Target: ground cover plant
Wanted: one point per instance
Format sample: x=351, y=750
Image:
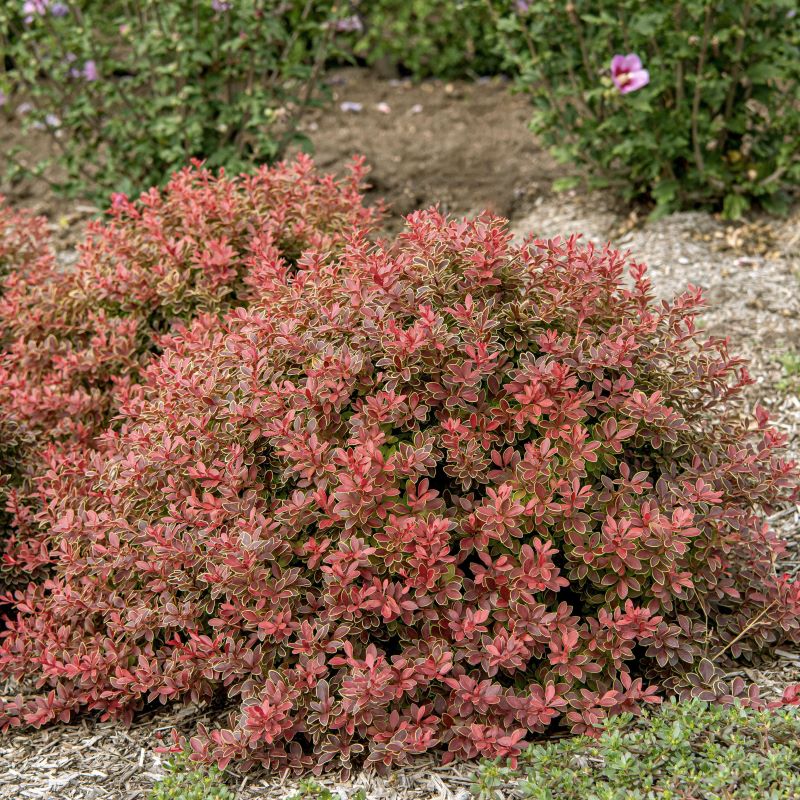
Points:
x=791, y=373
x=131, y=91
x=440, y=492
x=184, y=783
x=680, y=104
x=76, y=339
x=686, y=750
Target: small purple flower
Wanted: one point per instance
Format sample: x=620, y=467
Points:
x=221, y=6
x=50, y=121
x=350, y=107
x=90, y=71
x=74, y=72
x=38, y=8
x=627, y=73
x=24, y=108
x=523, y=7
x=349, y=24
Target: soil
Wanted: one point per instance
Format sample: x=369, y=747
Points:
x=466, y=147
x=462, y=146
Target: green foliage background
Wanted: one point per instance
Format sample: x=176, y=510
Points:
x=716, y=127
x=177, y=80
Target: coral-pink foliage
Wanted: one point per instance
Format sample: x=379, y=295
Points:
x=77, y=336
x=440, y=492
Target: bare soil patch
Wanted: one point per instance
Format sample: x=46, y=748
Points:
x=463, y=146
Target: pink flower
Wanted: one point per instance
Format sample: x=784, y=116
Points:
x=627, y=73
x=90, y=71
x=34, y=8
x=349, y=24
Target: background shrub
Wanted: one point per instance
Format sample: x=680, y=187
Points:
x=687, y=749
x=717, y=123
x=426, y=38
x=130, y=92
x=77, y=338
x=440, y=492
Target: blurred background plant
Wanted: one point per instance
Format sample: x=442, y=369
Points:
x=790, y=382
x=425, y=38
x=714, y=125
x=131, y=90
x=688, y=104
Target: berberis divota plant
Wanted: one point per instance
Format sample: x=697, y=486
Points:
x=435, y=493
x=24, y=250
x=76, y=338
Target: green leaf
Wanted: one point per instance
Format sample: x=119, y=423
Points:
x=565, y=184
x=734, y=206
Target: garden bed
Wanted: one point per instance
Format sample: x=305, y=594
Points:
x=464, y=146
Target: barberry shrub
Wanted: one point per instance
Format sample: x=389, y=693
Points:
x=716, y=126
x=76, y=338
x=131, y=91
x=24, y=240
x=24, y=248
x=437, y=493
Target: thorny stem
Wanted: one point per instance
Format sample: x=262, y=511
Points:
x=747, y=628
